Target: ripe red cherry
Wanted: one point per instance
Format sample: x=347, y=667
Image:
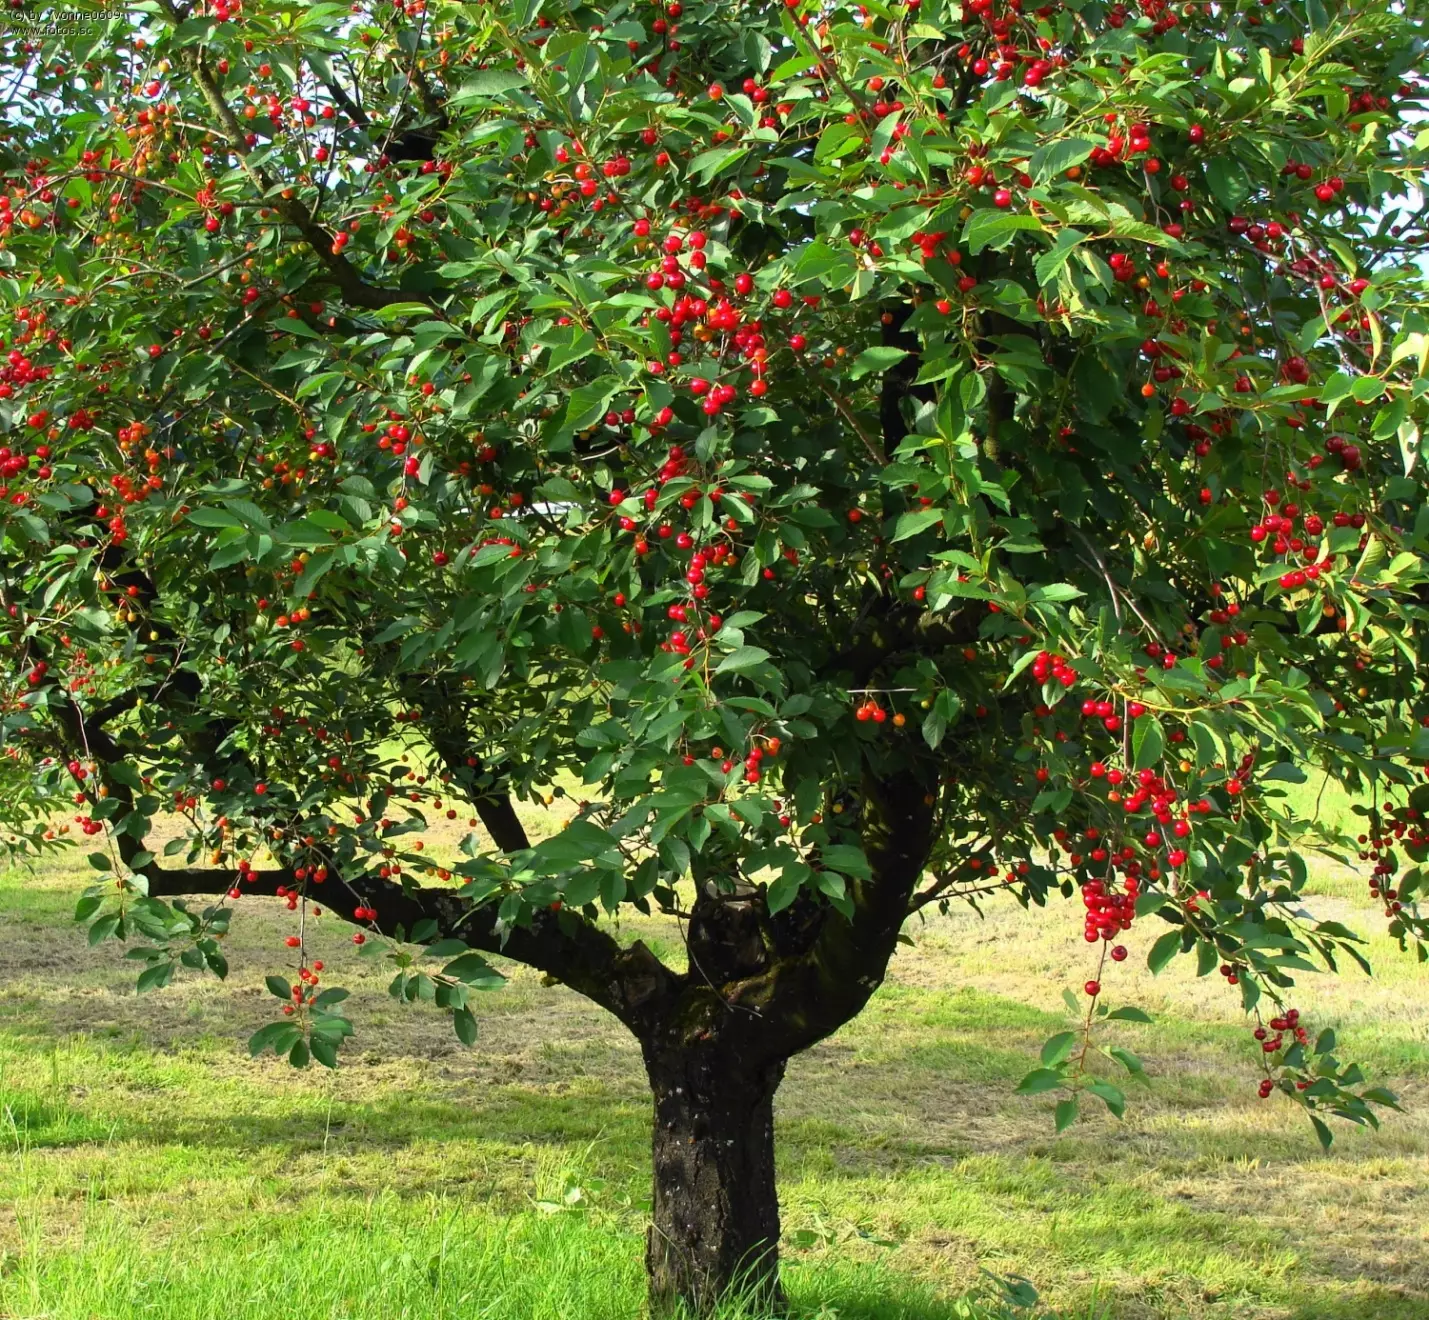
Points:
x=1093, y=988
x=1002, y=197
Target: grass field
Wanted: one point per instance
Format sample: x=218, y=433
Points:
x=149, y=1168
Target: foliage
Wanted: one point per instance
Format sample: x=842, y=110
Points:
x=829, y=434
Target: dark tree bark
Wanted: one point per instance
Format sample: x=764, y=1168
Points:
x=714, y=1228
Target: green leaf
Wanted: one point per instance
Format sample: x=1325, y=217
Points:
x=1165, y=948
x=279, y=987
x=1130, y=1014
x=485, y=85
x=464, y=1020
x=709, y=163
x=1128, y=1060
x=213, y=518
x=878, y=358
x=1228, y=181
x=87, y=907
x=588, y=403
x=66, y=263
x=234, y=552
x=1110, y=1095
x=1380, y=1096
x=837, y=139
x=1148, y=743
x=472, y=969
x=277, y=1036
x=1058, y=1048
x=582, y=345
x=1065, y=1114
x=160, y=974
x=444, y=948
x=989, y=225
x=1051, y=262
x=1039, y=1080
x=918, y=520
x=741, y=660
x=848, y=859
x=785, y=888
x=1058, y=157
x=1055, y=592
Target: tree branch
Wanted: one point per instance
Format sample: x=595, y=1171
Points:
x=354, y=289
x=808, y=997
x=444, y=718
x=632, y=983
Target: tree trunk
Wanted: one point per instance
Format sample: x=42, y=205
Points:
x=715, y=1227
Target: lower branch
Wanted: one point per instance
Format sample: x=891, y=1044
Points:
x=628, y=982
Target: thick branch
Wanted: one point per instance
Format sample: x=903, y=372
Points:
x=444, y=719
x=629, y=982
x=805, y=998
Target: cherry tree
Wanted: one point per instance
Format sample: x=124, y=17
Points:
x=887, y=455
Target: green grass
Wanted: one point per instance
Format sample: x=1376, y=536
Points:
x=149, y=1168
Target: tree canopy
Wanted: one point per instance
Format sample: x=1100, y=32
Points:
x=885, y=454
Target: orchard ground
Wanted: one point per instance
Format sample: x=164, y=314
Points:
x=151, y=1168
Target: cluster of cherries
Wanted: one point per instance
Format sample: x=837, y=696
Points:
x=1054, y=664
x=1105, y=711
x=305, y=990
x=1404, y=826
x=753, y=763
x=1279, y=524
x=1272, y=1044
x=1136, y=142
x=1109, y=914
x=710, y=317
x=80, y=773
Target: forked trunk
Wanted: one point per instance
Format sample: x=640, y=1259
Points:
x=714, y=1233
